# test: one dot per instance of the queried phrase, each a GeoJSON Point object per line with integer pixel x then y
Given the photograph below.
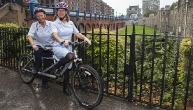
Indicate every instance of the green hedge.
{"type": "Point", "coordinates": [12, 38]}
{"type": "Point", "coordinates": [113, 62]}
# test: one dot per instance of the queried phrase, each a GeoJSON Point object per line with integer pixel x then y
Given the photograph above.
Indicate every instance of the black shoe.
{"type": "Point", "coordinates": [34, 71]}
{"type": "Point", "coordinates": [67, 92]}
{"type": "Point", "coordinates": [45, 86]}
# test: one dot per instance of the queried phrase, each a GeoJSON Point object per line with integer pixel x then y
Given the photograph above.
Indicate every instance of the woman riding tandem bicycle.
{"type": "Point", "coordinates": [42, 33]}
{"type": "Point", "coordinates": [63, 29]}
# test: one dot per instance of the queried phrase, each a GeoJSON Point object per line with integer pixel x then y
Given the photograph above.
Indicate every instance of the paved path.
{"type": "Point", "coordinates": [15, 95]}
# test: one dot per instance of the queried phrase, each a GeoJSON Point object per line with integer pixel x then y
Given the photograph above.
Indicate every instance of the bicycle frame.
{"type": "Point", "coordinates": [85, 79]}
{"type": "Point", "coordinates": [43, 73]}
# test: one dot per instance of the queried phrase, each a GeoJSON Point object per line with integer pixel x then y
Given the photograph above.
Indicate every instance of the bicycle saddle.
{"type": "Point", "coordinates": [48, 47]}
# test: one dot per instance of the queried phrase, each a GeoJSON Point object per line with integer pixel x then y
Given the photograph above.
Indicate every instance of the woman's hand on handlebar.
{"type": "Point", "coordinates": [87, 40]}
{"type": "Point", "coordinates": [35, 47]}
{"type": "Point", "coordinates": [65, 43]}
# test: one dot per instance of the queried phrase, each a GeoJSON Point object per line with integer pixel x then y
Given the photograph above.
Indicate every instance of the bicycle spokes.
{"type": "Point", "coordinates": [87, 87]}
{"type": "Point", "coordinates": [25, 68]}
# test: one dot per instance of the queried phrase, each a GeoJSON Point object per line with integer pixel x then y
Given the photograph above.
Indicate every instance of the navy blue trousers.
{"type": "Point", "coordinates": [46, 62]}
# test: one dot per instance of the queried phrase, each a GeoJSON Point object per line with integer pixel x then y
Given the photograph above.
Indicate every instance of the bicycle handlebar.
{"type": "Point", "coordinates": [75, 44]}
{"type": "Point", "coordinates": [49, 47]}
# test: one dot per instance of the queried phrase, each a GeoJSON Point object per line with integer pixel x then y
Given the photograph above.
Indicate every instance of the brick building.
{"type": "Point", "coordinates": [91, 6]}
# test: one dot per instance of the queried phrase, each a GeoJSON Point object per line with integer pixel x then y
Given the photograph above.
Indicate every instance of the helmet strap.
{"type": "Point", "coordinates": [62, 18]}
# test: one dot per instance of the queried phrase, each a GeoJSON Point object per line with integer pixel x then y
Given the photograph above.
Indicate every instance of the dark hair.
{"type": "Point", "coordinates": [39, 10]}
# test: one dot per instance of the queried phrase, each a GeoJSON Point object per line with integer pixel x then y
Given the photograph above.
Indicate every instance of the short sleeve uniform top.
{"type": "Point", "coordinates": [64, 30]}
{"type": "Point", "coordinates": [42, 36]}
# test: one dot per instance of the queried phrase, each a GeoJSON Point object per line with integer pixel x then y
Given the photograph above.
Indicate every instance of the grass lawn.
{"type": "Point", "coordinates": [138, 30]}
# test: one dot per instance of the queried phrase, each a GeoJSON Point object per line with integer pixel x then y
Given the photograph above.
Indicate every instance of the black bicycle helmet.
{"type": "Point", "coordinates": [39, 10]}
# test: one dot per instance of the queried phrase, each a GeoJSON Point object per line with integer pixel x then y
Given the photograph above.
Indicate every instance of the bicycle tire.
{"type": "Point", "coordinates": [84, 94]}
{"type": "Point", "coordinates": [25, 72]}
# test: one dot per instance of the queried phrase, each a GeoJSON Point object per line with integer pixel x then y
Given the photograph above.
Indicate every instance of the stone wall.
{"type": "Point", "coordinates": [4, 10]}
{"type": "Point", "coordinates": [12, 12]}
{"type": "Point", "coordinates": [178, 20]}
{"type": "Point", "coordinates": [150, 5]}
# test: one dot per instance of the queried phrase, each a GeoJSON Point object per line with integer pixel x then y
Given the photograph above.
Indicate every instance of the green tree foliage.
{"type": "Point", "coordinates": [122, 16]}
{"type": "Point", "coordinates": [26, 7]}
{"type": "Point", "coordinates": [173, 5]}
{"type": "Point", "coordinates": [150, 12]}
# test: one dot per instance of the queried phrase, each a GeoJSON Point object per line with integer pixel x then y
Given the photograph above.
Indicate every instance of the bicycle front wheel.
{"type": "Point", "coordinates": [25, 66]}
{"type": "Point", "coordinates": [87, 86]}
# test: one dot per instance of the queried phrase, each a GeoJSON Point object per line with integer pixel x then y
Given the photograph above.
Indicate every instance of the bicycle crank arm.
{"type": "Point", "coordinates": [47, 75]}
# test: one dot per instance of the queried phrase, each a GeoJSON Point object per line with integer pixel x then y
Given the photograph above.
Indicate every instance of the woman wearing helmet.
{"type": "Point", "coordinates": [39, 35]}
{"type": "Point", "coordinates": [63, 29]}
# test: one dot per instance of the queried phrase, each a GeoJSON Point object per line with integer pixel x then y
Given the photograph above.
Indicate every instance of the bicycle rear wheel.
{"type": "Point", "coordinates": [87, 86]}
{"type": "Point", "coordinates": [26, 64]}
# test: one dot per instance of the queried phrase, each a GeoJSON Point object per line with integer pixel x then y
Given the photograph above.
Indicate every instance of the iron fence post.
{"type": "Point", "coordinates": [132, 64]}
{"type": "Point", "coordinates": [188, 77]}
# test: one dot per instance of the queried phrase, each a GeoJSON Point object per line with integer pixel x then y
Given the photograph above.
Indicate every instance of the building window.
{"type": "Point", "coordinates": [42, 1]}
{"type": "Point", "coordinates": [162, 19]}
{"type": "Point", "coordinates": [47, 1]}
{"type": "Point", "coordinates": [52, 1]}
{"type": "Point", "coordinates": [163, 13]}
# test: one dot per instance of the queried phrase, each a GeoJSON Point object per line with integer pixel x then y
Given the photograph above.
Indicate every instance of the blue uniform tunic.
{"type": "Point", "coordinates": [64, 31]}
{"type": "Point", "coordinates": [42, 36]}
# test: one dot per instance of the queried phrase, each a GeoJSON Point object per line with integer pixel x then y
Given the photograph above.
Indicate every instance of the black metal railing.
{"type": "Point", "coordinates": [137, 67]}
{"type": "Point", "coordinates": [13, 42]}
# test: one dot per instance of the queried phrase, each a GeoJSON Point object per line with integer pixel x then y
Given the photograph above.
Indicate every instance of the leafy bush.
{"type": "Point", "coordinates": [12, 37]}
{"type": "Point", "coordinates": [185, 48]}
{"type": "Point", "coordinates": [154, 74]}
{"type": "Point", "coordinates": [9, 25]}
{"type": "Point", "coordinates": [157, 78]}
{"type": "Point", "coordinates": [115, 59]}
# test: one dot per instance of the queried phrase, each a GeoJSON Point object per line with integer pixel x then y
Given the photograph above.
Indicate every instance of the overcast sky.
{"type": "Point", "coordinates": [120, 6]}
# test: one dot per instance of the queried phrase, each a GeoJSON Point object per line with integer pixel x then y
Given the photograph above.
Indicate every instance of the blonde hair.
{"type": "Point", "coordinates": [66, 17]}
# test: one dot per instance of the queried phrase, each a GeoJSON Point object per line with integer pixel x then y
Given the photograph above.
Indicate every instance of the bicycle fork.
{"type": "Point", "coordinates": [82, 77]}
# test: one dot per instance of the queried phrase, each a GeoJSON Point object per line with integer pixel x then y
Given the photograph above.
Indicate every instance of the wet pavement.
{"type": "Point", "coordinates": [16, 95]}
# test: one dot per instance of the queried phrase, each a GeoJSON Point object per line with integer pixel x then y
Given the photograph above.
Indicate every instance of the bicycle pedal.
{"type": "Point", "coordinates": [60, 79]}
